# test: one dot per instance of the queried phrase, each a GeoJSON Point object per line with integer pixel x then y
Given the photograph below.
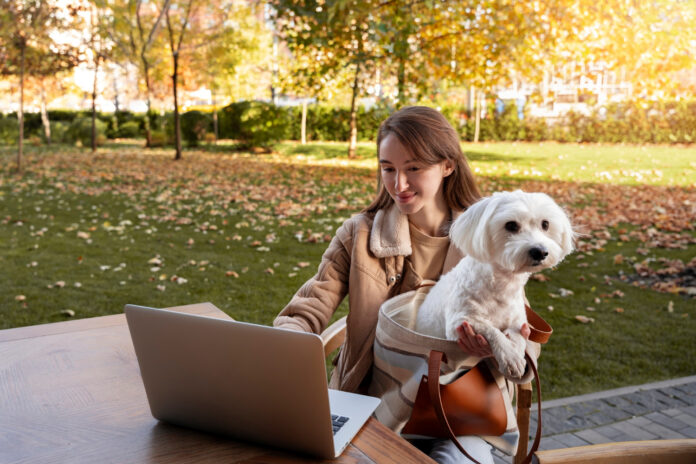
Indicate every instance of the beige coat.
{"type": "Point", "coordinates": [366, 260]}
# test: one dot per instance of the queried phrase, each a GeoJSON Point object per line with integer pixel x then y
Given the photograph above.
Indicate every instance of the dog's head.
{"type": "Point", "coordinates": [518, 231]}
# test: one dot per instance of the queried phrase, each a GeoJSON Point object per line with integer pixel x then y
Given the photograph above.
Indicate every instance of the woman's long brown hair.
{"type": "Point", "coordinates": [431, 140]}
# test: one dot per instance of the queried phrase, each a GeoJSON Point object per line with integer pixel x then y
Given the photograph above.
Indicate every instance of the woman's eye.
{"type": "Point", "coordinates": [512, 226]}
{"type": "Point", "coordinates": [545, 225]}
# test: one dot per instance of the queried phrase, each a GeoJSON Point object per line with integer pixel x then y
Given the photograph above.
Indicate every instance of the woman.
{"type": "Point", "coordinates": [392, 246]}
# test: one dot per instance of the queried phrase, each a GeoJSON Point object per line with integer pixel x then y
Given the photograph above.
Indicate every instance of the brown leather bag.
{"type": "Point", "coordinates": [473, 403]}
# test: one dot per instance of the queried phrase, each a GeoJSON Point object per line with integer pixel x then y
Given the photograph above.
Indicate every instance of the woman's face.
{"type": "Point", "coordinates": [414, 186]}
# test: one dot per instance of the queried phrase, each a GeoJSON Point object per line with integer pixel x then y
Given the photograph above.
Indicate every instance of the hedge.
{"type": "Point", "coordinates": [260, 124]}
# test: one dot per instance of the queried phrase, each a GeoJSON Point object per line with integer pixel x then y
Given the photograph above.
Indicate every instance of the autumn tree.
{"type": "Point", "coordinates": [133, 27]}
{"type": "Point", "coordinates": [226, 62]}
{"type": "Point", "coordinates": [98, 48]}
{"type": "Point", "coordinates": [28, 46]}
{"type": "Point", "coordinates": [647, 41]}
{"type": "Point", "coordinates": [329, 40]}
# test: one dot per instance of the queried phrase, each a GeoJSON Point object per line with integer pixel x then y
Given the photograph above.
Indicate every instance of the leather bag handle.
{"type": "Point", "coordinates": [434, 363]}
{"type": "Point", "coordinates": [540, 329]}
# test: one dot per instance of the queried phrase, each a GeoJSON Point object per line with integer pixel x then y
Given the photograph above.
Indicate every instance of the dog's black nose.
{"type": "Point", "coordinates": [538, 254]}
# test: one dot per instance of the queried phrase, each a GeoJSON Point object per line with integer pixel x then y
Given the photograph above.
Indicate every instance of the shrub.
{"type": "Point", "coordinates": [254, 124]}
{"type": "Point", "coordinates": [160, 138]}
{"type": "Point", "coordinates": [80, 132]}
{"type": "Point", "coordinates": [129, 130]}
{"type": "Point", "coordinates": [59, 131]}
{"type": "Point", "coordinates": [194, 126]}
{"type": "Point", "coordinates": [9, 130]}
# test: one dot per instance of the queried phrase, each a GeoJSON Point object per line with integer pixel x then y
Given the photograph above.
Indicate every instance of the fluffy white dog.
{"type": "Point", "coordinates": [505, 238]}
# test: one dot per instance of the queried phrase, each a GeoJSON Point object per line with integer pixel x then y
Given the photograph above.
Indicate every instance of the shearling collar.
{"type": "Point", "coordinates": [390, 234]}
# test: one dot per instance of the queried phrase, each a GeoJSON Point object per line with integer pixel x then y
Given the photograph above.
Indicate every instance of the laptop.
{"type": "Point", "coordinates": [254, 383]}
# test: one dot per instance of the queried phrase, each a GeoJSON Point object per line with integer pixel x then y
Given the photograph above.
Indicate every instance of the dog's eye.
{"type": "Point", "coordinates": [545, 225]}
{"type": "Point", "coordinates": [512, 226]}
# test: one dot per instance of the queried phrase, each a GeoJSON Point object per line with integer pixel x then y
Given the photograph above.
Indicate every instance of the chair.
{"type": "Point", "coordinates": [677, 451]}
{"type": "Point", "coordinates": [334, 336]}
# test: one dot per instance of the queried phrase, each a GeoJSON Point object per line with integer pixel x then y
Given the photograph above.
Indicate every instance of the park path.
{"type": "Point", "coordinates": [654, 411]}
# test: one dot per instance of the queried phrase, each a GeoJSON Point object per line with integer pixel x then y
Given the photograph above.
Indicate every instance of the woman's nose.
{"type": "Point", "coordinates": [401, 182]}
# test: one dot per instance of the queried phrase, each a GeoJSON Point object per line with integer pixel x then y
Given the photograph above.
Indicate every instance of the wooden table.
{"type": "Point", "coordinates": [71, 392]}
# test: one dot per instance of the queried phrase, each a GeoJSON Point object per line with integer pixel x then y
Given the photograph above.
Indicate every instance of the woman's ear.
{"type": "Point", "coordinates": [448, 168]}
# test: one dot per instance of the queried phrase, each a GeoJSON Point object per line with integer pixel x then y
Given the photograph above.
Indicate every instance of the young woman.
{"type": "Point", "coordinates": [392, 246]}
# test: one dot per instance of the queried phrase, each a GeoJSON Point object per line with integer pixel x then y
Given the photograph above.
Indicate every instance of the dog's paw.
{"type": "Point", "coordinates": [512, 364]}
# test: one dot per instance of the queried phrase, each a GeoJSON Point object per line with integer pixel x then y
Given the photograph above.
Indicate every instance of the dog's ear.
{"type": "Point", "coordinates": [469, 232]}
{"type": "Point", "coordinates": [568, 235]}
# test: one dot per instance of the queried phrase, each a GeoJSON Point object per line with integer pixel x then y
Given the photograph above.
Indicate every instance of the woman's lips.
{"type": "Point", "coordinates": [404, 197]}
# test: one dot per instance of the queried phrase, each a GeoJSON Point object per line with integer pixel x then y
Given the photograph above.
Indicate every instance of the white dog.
{"type": "Point", "coordinates": [505, 238]}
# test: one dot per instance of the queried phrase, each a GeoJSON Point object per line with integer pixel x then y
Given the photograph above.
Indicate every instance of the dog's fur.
{"type": "Point", "coordinates": [505, 238]}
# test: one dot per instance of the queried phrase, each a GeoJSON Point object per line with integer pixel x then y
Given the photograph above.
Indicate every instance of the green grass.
{"type": "Point", "coordinates": [78, 232]}
{"type": "Point", "coordinates": [616, 164]}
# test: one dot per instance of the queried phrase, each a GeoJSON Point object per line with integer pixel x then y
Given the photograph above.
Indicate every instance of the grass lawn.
{"type": "Point", "coordinates": [84, 235]}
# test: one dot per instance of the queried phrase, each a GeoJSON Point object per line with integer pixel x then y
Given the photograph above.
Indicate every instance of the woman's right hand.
{"type": "Point", "coordinates": [473, 343]}
{"type": "Point", "coordinates": [476, 344]}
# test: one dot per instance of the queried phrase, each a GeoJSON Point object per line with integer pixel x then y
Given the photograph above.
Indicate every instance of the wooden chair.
{"type": "Point", "coordinates": [679, 451]}
{"type": "Point", "coordinates": [334, 336]}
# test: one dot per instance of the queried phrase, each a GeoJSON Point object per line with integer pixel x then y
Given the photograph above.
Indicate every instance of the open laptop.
{"type": "Point", "coordinates": [251, 382]}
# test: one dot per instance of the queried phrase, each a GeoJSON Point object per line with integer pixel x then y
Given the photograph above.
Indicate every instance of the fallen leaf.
{"type": "Point", "coordinates": [232, 274]}
{"type": "Point", "coordinates": [302, 264]}
{"type": "Point", "coordinates": [20, 298]}
{"type": "Point", "coordinates": [670, 307]}
{"type": "Point", "coordinates": [584, 319]}
{"type": "Point", "coordinates": [268, 270]}
{"type": "Point", "coordinates": [540, 277]}
{"type": "Point", "coordinates": [68, 313]}
{"type": "Point", "coordinates": [618, 310]}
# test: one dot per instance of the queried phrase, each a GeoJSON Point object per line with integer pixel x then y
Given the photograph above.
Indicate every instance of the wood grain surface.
{"type": "Point", "coordinates": [71, 392]}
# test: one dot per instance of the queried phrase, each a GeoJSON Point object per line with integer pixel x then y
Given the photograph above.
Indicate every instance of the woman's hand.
{"type": "Point", "coordinates": [476, 344]}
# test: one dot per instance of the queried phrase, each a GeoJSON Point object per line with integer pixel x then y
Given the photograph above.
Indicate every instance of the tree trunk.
{"type": "Point", "coordinates": [401, 82]}
{"type": "Point", "coordinates": [21, 111]}
{"type": "Point", "coordinates": [116, 104]}
{"type": "Point", "coordinates": [354, 115]}
{"type": "Point", "coordinates": [215, 115]}
{"type": "Point", "coordinates": [477, 111]}
{"type": "Point", "coordinates": [94, 107]}
{"type": "Point", "coordinates": [148, 131]}
{"type": "Point", "coordinates": [177, 124]}
{"type": "Point", "coordinates": [304, 122]}
{"type": "Point", "coordinates": [44, 115]}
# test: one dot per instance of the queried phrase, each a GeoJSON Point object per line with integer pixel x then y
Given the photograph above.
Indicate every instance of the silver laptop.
{"type": "Point", "coordinates": [256, 383]}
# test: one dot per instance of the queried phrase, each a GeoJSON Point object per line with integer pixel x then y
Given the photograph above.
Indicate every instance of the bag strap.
{"type": "Point", "coordinates": [434, 362]}
{"type": "Point", "coordinates": [540, 329]}
{"type": "Point", "coordinates": [436, 400]}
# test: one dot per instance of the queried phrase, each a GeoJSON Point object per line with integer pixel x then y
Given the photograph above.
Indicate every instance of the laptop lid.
{"type": "Point", "coordinates": [251, 382]}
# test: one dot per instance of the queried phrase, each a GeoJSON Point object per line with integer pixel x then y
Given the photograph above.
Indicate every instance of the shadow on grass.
{"type": "Point", "coordinates": [490, 157]}
{"type": "Point", "coordinates": [325, 150]}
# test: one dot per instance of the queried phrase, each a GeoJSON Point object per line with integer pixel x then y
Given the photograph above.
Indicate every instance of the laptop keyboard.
{"type": "Point", "coordinates": [338, 422]}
